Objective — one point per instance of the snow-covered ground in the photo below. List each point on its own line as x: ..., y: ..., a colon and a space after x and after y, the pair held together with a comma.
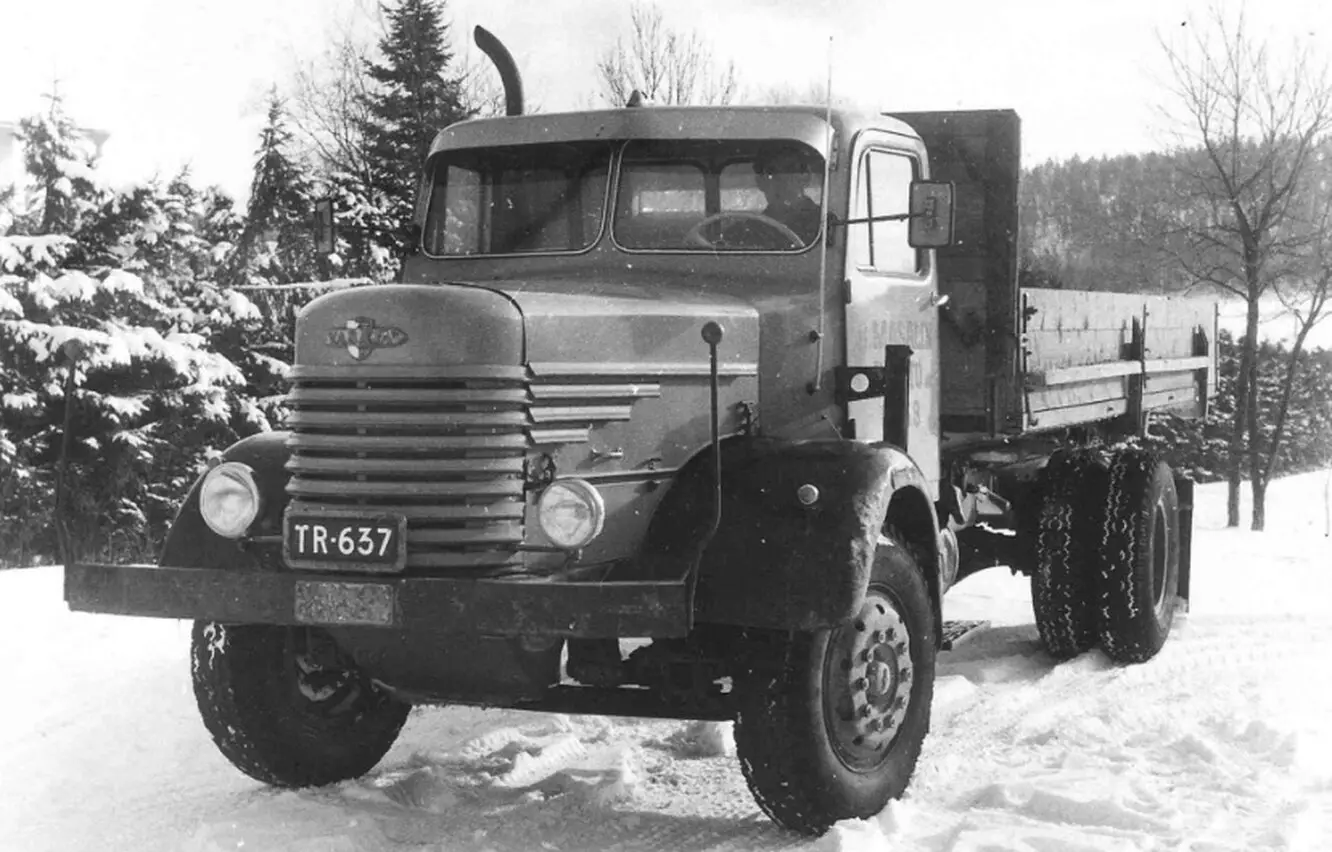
x: 1223, y: 743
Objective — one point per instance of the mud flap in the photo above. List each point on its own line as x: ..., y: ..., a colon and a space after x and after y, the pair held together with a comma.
x: 1184, y: 489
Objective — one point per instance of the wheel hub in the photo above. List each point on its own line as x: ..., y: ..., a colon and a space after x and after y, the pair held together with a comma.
x: 322, y: 677
x: 867, y: 682
x: 880, y: 680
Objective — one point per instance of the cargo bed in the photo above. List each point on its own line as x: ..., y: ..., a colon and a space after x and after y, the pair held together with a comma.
x: 1018, y: 360
x: 1087, y: 357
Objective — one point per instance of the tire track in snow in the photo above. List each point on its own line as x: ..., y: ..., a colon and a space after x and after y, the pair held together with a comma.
x: 1180, y: 738
x: 581, y: 783
x: 1031, y: 755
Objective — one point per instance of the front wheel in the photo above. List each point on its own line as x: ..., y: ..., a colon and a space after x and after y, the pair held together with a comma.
x: 286, y: 707
x: 831, y: 723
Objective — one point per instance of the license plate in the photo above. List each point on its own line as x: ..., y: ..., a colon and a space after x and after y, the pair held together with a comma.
x: 349, y: 542
x: 320, y: 602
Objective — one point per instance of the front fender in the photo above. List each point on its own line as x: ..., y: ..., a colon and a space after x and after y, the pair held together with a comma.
x: 773, y: 562
x: 191, y: 544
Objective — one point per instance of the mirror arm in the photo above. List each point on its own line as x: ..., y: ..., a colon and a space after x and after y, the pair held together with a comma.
x: 891, y: 217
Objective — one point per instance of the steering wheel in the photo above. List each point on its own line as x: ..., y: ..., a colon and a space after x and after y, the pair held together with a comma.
x: 695, y: 234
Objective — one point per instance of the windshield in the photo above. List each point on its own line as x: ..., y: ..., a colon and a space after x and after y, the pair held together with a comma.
x: 692, y: 195
x: 718, y: 196
x: 519, y: 199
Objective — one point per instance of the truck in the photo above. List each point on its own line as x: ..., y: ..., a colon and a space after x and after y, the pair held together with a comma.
x: 638, y: 432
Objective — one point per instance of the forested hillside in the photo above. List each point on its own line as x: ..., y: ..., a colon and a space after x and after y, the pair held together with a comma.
x: 1097, y: 224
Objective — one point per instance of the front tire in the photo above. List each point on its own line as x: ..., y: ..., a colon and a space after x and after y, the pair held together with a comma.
x: 286, y: 708
x: 1139, y: 557
x: 831, y: 723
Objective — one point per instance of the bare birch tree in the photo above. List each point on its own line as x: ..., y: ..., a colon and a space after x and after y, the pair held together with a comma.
x: 330, y: 93
x: 1305, y: 292
x: 667, y: 66
x: 1255, y: 118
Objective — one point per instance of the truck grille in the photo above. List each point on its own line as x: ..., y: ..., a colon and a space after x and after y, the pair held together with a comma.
x: 443, y: 446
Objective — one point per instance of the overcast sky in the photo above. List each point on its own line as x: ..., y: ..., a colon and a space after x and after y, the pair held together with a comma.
x: 183, y: 80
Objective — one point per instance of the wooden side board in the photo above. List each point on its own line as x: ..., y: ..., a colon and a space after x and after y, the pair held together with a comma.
x: 1090, y: 356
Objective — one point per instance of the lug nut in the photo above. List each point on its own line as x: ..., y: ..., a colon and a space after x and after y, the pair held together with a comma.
x: 876, y: 725
x: 905, y: 675
x: 860, y: 684
x: 877, y: 636
x: 866, y: 711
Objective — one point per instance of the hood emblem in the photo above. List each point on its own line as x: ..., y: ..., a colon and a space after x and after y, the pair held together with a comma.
x: 361, y: 337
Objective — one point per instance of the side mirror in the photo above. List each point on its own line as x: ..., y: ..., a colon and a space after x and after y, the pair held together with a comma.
x: 325, y: 227
x: 931, y: 214
x: 411, y: 238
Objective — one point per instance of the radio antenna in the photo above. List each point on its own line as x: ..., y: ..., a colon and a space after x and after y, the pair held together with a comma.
x: 819, y: 334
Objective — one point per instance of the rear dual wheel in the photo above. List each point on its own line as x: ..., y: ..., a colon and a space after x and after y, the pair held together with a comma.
x: 1139, y: 566
x: 1067, y: 529
x: 1107, y: 555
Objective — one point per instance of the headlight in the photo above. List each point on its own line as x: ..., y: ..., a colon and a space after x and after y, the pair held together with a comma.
x: 571, y: 513
x: 229, y: 499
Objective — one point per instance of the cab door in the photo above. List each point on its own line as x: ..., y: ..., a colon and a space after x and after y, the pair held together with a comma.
x: 892, y: 319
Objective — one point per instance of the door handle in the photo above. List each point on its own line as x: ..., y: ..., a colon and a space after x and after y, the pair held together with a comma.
x: 934, y: 300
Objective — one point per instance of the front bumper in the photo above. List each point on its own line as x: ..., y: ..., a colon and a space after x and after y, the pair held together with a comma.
x: 496, y: 607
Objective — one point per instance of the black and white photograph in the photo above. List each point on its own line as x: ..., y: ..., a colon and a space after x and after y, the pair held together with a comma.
x: 666, y: 425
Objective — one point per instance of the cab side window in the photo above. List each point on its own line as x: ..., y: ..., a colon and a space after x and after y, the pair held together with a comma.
x: 883, y: 188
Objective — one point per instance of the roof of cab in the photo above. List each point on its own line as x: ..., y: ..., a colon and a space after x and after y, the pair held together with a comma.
x: 807, y: 124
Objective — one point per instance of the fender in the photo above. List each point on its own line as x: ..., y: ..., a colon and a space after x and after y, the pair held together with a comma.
x: 775, y: 563
x: 191, y: 544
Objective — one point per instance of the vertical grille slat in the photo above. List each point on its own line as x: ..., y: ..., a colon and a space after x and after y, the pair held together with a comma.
x: 443, y: 447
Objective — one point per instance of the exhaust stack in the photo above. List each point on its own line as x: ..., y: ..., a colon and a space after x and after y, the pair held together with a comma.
x: 507, y: 68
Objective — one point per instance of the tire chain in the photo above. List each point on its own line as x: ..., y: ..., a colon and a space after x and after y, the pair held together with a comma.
x: 1129, y: 475
x: 1062, y: 584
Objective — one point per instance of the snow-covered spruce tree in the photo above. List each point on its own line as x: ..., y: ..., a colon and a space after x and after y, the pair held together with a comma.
x: 183, y: 242
x: 275, y: 247
x: 111, y: 389
x: 58, y: 159
x: 414, y: 93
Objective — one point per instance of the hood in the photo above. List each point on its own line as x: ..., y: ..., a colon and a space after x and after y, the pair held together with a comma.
x: 629, y: 330
x: 409, y: 325
x: 559, y: 327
